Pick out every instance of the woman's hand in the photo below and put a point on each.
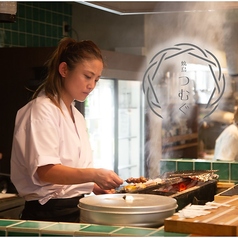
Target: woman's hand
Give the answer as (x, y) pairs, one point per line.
(107, 179)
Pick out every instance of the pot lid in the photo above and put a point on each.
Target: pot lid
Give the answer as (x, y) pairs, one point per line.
(130, 202)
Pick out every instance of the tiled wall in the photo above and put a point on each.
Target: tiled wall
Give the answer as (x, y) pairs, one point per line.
(38, 24)
(34, 228)
(227, 171)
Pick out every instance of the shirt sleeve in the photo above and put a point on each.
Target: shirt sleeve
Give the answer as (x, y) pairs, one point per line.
(226, 148)
(43, 136)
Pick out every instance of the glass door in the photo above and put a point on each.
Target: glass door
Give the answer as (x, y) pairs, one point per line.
(114, 117)
(100, 119)
(130, 129)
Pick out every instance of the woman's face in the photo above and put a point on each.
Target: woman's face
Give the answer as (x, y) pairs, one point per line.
(79, 82)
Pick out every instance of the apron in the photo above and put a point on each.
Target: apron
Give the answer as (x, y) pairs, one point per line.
(57, 210)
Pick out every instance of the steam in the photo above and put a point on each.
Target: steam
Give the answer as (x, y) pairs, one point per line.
(202, 27)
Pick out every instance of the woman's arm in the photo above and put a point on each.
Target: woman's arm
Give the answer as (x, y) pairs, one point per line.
(60, 174)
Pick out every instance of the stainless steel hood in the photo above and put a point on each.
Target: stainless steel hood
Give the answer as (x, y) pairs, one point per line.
(158, 7)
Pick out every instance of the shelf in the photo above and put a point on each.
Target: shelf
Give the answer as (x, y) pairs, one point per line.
(179, 138)
(179, 147)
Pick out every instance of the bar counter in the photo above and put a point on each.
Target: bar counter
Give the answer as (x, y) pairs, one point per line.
(11, 227)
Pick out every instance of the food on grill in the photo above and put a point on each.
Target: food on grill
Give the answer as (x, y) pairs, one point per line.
(134, 187)
(152, 182)
(169, 182)
(141, 179)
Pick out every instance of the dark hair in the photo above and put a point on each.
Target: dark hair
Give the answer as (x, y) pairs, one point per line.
(72, 52)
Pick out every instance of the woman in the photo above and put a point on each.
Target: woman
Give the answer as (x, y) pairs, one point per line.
(51, 161)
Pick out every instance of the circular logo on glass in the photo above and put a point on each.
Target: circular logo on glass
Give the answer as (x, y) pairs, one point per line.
(183, 75)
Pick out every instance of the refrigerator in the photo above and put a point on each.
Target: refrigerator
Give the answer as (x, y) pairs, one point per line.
(114, 114)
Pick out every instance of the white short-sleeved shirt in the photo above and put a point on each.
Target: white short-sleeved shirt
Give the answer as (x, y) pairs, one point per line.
(226, 147)
(44, 135)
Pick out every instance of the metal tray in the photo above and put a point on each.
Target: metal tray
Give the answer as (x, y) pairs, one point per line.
(144, 210)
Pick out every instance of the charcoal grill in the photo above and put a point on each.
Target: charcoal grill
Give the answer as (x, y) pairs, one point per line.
(188, 186)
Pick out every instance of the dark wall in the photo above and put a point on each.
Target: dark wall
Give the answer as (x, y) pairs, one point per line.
(18, 72)
(107, 30)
